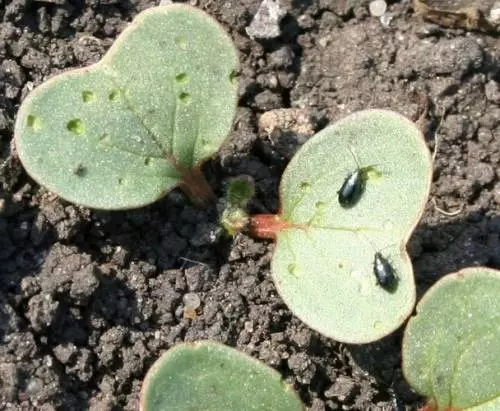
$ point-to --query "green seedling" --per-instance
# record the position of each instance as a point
(125, 131)
(345, 270)
(234, 217)
(240, 190)
(209, 376)
(451, 347)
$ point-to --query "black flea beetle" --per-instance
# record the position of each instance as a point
(353, 186)
(384, 272)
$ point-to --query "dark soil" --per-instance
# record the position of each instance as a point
(88, 299)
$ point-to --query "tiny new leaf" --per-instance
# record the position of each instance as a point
(451, 347)
(123, 132)
(210, 376)
(324, 261)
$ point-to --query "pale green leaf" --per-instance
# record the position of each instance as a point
(451, 348)
(323, 263)
(210, 376)
(123, 132)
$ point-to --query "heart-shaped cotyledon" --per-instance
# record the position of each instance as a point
(345, 271)
(123, 132)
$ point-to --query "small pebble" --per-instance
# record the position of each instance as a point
(386, 20)
(265, 24)
(191, 300)
(378, 8)
(289, 119)
(495, 13)
(496, 193)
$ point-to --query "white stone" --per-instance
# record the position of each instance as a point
(378, 8)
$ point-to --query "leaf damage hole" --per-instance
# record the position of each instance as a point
(120, 181)
(305, 186)
(147, 161)
(232, 77)
(34, 122)
(185, 97)
(182, 78)
(76, 126)
(321, 206)
(88, 96)
(372, 174)
(181, 41)
(80, 170)
(114, 95)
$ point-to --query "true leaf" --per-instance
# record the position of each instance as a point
(210, 376)
(323, 262)
(123, 132)
(451, 347)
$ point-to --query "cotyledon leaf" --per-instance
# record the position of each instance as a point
(323, 262)
(210, 376)
(451, 347)
(123, 132)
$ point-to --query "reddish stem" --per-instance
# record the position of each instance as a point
(431, 406)
(196, 187)
(267, 225)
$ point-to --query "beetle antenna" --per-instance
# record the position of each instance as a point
(368, 240)
(351, 150)
(377, 250)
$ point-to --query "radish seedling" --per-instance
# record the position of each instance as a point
(209, 376)
(451, 347)
(324, 265)
(125, 131)
(240, 190)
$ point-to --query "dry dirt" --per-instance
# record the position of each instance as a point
(89, 299)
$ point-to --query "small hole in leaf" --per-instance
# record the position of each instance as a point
(372, 174)
(232, 77)
(88, 96)
(76, 126)
(181, 78)
(181, 41)
(80, 170)
(34, 122)
(185, 97)
(321, 205)
(120, 181)
(305, 186)
(113, 95)
(147, 161)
